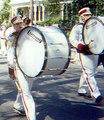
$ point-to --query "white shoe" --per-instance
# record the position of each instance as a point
(20, 112)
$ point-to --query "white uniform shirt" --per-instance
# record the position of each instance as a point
(75, 37)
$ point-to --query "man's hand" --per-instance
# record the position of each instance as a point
(84, 49)
(11, 74)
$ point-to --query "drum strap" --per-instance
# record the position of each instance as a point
(10, 44)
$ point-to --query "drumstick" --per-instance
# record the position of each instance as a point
(90, 43)
(17, 86)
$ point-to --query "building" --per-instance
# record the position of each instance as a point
(25, 5)
(39, 9)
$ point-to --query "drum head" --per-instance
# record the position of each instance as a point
(30, 51)
(93, 31)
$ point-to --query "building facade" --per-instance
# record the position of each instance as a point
(38, 8)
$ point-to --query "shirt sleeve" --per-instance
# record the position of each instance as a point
(74, 36)
(11, 52)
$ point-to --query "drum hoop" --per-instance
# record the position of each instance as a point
(85, 24)
(46, 53)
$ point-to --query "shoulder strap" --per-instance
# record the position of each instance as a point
(10, 44)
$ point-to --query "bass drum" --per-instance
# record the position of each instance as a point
(42, 51)
(93, 34)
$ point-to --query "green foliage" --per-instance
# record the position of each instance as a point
(20, 11)
(50, 21)
(68, 33)
(69, 9)
(97, 6)
(52, 7)
(5, 12)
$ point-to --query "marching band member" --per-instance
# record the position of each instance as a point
(24, 103)
(3, 41)
(87, 59)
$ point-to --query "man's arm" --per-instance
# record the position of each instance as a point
(10, 57)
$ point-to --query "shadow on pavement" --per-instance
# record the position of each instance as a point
(69, 111)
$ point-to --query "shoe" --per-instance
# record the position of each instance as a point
(99, 99)
(84, 95)
(20, 112)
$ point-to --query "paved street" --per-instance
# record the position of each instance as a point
(55, 97)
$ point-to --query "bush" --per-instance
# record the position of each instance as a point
(68, 33)
(50, 21)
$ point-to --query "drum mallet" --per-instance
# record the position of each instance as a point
(16, 82)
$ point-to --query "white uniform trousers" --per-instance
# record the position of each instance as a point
(24, 98)
(87, 79)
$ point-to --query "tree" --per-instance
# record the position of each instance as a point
(96, 6)
(99, 7)
(5, 12)
(52, 7)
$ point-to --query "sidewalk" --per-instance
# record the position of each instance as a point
(55, 97)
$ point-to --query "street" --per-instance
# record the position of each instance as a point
(56, 97)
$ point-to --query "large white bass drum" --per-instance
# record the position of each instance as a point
(42, 51)
(93, 34)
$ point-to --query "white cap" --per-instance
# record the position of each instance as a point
(16, 19)
(84, 11)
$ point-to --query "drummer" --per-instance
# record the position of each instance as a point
(24, 103)
(87, 59)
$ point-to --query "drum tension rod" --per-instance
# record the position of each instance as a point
(56, 43)
(56, 69)
(34, 36)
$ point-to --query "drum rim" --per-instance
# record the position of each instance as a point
(46, 53)
(94, 17)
